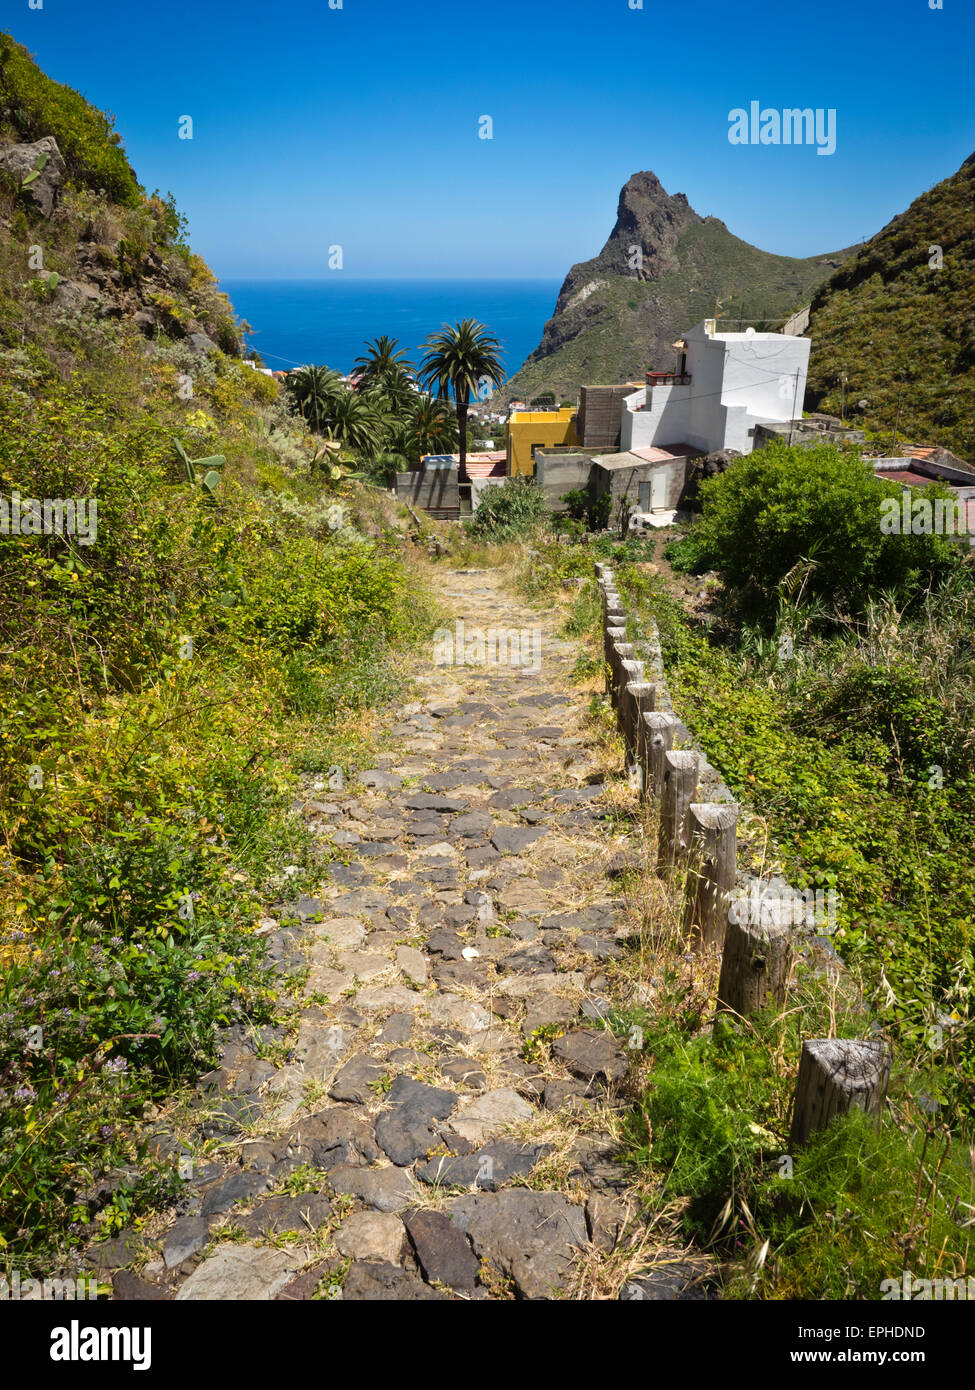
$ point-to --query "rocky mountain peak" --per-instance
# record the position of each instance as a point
(662, 269)
(648, 220)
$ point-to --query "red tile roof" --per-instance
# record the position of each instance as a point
(492, 464)
(904, 475)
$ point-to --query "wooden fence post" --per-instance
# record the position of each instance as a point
(679, 790)
(658, 736)
(612, 607)
(711, 879)
(755, 964)
(630, 670)
(613, 635)
(837, 1075)
(621, 651)
(638, 698)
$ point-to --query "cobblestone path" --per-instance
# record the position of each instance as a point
(447, 1123)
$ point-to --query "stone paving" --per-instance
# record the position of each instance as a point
(442, 1126)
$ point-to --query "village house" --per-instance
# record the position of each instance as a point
(529, 430)
(726, 385)
(637, 443)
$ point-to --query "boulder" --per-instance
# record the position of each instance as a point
(22, 160)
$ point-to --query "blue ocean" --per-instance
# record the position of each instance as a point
(328, 321)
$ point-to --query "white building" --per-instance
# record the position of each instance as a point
(729, 383)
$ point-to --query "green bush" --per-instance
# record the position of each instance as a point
(703, 1118)
(35, 106)
(508, 512)
(831, 1219)
(809, 519)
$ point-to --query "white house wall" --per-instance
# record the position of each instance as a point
(738, 380)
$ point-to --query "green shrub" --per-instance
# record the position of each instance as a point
(703, 1119)
(508, 512)
(809, 519)
(36, 106)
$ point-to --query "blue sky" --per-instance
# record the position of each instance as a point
(359, 126)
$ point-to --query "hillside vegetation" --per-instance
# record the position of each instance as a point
(160, 688)
(895, 325)
(832, 683)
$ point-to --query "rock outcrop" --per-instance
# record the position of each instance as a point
(38, 168)
(663, 268)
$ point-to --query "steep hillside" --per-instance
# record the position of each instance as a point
(181, 635)
(618, 314)
(895, 326)
(115, 254)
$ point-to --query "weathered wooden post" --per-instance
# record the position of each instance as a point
(615, 617)
(622, 651)
(679, 790)
(755, 963)
(711, 878)
(638, 698)
(630, 669)
(659, 728)
(837, 1075)
(613, 635)
(612, 605)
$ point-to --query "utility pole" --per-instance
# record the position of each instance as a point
(795, 399)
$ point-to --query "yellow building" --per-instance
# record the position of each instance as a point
(528, 429)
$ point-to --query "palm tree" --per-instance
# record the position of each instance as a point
(355, 419)
(314, 390)
(397, 390)
(458, 361)
(430, 429)
(383, 361)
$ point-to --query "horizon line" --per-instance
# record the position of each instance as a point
(391, 279)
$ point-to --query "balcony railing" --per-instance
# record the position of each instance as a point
(668, 378)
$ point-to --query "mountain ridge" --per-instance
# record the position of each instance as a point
(663, 267)
(895, 325)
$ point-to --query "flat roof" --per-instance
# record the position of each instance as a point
(904, 475)
(634, 458)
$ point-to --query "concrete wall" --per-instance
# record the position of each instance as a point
(558, 473)
(432, 489)
(805, 434)
(625, 483)
(737, 381)
(478, 486)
